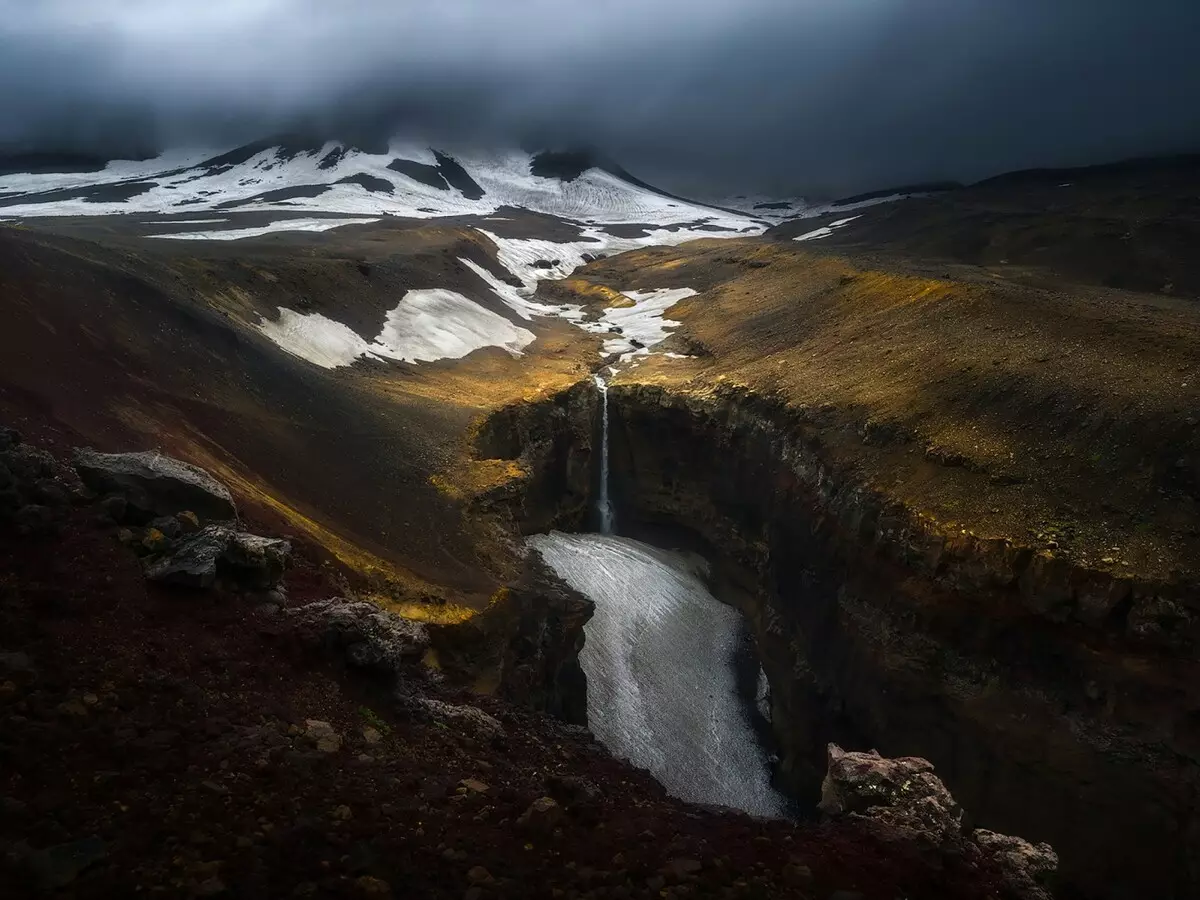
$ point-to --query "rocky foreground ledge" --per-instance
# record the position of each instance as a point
(190, 709)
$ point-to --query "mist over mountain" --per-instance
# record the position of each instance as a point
(698, 95)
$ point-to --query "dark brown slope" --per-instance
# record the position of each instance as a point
(157, 742)
(129, 342)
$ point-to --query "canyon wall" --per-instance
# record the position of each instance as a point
(1053, 701)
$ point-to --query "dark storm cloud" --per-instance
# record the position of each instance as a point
(815, 95)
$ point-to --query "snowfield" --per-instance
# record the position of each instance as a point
(204, 182)
(425, 326)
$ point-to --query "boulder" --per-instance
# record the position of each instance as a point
(218, 551)
(471, 717)
(1026, 866)
(362, 634)
(902, 794)
(154, 484)
(903, 800)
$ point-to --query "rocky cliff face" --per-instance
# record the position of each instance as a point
(525, 645)
(1053, 701)
(552, 442)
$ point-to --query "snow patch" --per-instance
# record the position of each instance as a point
(642, 325)
(314, 337)
(438, 324)
(425, 326)
(237, 234)
(825, 232)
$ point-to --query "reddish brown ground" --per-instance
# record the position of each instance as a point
(167, 724)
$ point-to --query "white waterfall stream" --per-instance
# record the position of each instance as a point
(603, 502)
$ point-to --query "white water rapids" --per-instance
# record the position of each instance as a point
(660, 659)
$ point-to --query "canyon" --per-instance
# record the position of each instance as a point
(952, 491)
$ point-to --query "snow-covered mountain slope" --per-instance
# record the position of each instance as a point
(410, 181)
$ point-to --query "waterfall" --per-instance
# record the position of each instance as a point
(603, 504)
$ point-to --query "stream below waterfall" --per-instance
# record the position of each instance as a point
(663, 658)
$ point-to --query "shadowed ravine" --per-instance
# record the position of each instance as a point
(660, 658)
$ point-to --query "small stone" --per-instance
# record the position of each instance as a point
(188, 521)
(126, 536)
(371, 735)
(368, 886)
(168, 525)
(474, 786)
(343, 813)
(542, 813)
(479, 875)
(91, 700)
(323, 736)
(154, 541)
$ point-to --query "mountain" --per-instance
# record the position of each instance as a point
(407, 180)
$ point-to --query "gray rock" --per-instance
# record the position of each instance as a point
(366, 636)
(168, 525)
(9, 438)
(902, 800)
(257, 561)
(471, 717)
(28, 464)
(218, 551)
(193, 564)
(322, 735)
(58, 866)
(1027, 867)
(155, 484)
(902, 794)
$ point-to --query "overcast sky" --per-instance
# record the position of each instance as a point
(816, 96)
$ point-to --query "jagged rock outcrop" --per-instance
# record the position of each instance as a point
(553, 440)
(36, 491)
(221, 552)
(903, 800)
(154, 484)
(361, 634)
(525, 645)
